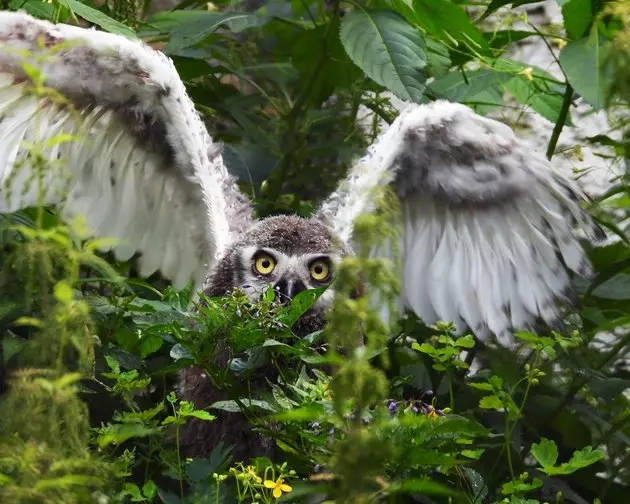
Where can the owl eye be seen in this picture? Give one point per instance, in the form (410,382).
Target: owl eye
(320,270)
(264,264)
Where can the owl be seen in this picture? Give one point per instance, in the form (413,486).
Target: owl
(490,233)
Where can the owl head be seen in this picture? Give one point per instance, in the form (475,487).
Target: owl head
(290,254)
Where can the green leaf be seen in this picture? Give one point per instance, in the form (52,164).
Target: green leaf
(198,469)
(578,16)
(546,453)
(424,348)
(501,38)
(618,287)
(37,8)
(469,86)
(119,433)
(195,28)
(532,94)
(491,402)
(304,414)
(482,386)
(467,341)
(233,406)
(149,490)
(421,486)
(99,19)
(447,21)
(438,58)
(200,414)
(131,490)
(583,458)
(149,344)
(497,4)
(388,49)
(323,76)
(63,292)
(518,486)
(581,61)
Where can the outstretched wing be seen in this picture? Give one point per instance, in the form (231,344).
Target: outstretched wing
(489,228)
(101,125)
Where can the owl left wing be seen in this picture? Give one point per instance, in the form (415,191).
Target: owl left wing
(101,125)
(489,229)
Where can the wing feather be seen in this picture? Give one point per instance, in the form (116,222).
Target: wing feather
(489,228)
(144,171)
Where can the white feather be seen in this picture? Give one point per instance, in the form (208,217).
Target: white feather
(484,219)
(164,207)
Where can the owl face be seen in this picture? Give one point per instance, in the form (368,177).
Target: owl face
(288,273)
(289,253)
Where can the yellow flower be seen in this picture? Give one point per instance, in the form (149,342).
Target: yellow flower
(433,414)
(251,472)
(278,486)
(560,42)
(527,72)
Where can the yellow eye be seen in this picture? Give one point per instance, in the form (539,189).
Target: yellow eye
(265,264)
(320,270)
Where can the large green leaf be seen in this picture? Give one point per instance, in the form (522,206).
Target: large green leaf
(577,16)
(35,8)
(497,4)
(99,19)
(470,86)
(581,62)
(448,22)
(388,49)
(322,61)
(618,287)
(528,92)
(190,28)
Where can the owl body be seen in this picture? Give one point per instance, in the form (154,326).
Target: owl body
(291,254)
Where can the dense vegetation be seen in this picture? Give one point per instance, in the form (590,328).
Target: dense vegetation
(90,352)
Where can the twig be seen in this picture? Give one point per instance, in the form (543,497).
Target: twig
(562,118)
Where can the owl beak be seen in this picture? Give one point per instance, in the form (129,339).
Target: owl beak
(287,288)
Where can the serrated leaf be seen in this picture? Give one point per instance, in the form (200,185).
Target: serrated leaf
(200,414)
(491,402)
(583,458)
(149,489)
(545,452)
(198,469)
(388,49)
(518,486)
(581,61)
(467,341)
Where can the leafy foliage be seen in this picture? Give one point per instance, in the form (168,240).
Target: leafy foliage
(369,411)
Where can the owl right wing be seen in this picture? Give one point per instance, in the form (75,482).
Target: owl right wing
(101,125)
(489,230)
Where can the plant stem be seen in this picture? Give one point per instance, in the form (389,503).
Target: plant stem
(508,436)
(179,457)
(562,118)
